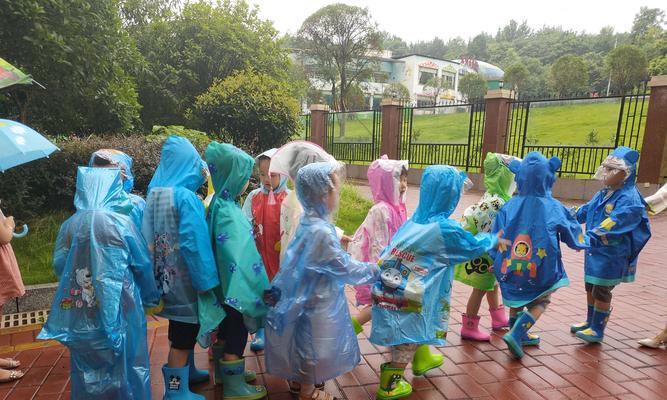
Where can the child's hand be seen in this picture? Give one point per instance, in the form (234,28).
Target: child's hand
(272,296)
(345,241)
(10,223)
(503,244)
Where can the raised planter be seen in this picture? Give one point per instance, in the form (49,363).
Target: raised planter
(37,297)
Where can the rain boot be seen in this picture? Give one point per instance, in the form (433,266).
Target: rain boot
(529,339)
(356,325)
(392,384)
(470,329)
(499,318)
(583,325)
(196,375)
(218,352)
(424,360)
(258,341)
(513,338)
(234,386)
(176,385)
(595,333)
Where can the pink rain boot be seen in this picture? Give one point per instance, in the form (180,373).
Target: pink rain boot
(470,330)
(499,318)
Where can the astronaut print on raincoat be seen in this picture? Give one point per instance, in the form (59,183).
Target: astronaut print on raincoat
(118,159)
(383,219)
(105,275)
(618,227)
(535,223)
(309,334)
(174,227)
(411,301)
(242,275)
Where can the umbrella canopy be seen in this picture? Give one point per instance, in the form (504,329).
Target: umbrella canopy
(20,144)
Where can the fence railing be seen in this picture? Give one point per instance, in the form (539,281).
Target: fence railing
(354,136)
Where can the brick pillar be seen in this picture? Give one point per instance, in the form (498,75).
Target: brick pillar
(495,126)
(319,116)
(654,148)
(391,128)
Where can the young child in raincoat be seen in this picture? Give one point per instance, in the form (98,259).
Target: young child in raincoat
(499,183)
(618,227)
(105,275)
(309,336)
(236,306)
(411,298)
(535,223)
(110,158)
(174,227)
(262,208)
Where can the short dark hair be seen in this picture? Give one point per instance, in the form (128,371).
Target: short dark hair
(101,162)
(262,158)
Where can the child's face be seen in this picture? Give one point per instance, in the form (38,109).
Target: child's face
(334,194)
(403,186)
(614,178)
(268,181)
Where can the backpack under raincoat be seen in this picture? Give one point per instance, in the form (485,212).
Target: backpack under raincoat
(411,300)
(105,274)
(309,334)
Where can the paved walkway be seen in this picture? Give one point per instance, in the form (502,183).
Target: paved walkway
(560,368)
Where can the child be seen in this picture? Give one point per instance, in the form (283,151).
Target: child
(110,158)
(309,335)
(618,227)
(499,182)
(105,275)
(411,299)
(235,306)
(262,207)
(174,226)
(532,268)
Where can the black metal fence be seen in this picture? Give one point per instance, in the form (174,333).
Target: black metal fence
(304,131)
(354,136)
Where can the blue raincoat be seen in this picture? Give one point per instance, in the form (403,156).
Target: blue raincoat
(121,160)
(174,227)
(618,228)
(105,275)
(535,223)
(309,334)
(411,301)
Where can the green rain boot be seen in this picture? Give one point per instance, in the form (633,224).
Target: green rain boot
(595,333)
(583,325)
(234,386)
(513,338)
(218,352)
(529,339)
(424,360)
(356,325)
(392,385)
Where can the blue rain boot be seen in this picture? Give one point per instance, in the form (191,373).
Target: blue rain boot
(196,375)
(529,339)
(258,341)
(583,325)
(513,338)
(176,385)
(595,333)
(218,353)
(234,386)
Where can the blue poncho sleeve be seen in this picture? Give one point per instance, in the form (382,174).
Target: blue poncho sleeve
(61,250)
(621,221)
(141,267)
(582,213)
(569,230)
(462,245)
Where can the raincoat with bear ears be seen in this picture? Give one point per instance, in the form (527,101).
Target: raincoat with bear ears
(174,227)
(618,228)
(535,223)
(411,300)
(383,219)
(105,275)
(242,275)
(309,334)
(123,161)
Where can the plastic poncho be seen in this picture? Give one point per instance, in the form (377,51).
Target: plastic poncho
(499,183)
(657,202)
(242,275)
(105,275)
(309,334)
(383,219)
(618,227)
(121,160)
(411,301)
(262,207)
(535,223)
(174,226)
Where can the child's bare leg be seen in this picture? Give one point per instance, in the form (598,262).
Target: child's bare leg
(402,354)
(514,311)
(183,337)
(492,298)
(474,302)
(178,358)
(364,315)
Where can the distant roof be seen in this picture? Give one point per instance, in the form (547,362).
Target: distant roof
(489,71)
(425,56)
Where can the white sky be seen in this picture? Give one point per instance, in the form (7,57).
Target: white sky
(415,20)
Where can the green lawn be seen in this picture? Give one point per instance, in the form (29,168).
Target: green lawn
(353,209)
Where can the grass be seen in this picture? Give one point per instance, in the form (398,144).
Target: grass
(353,209)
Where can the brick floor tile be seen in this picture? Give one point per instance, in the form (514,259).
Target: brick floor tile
(642,391)
(552,378)
(586,385)
(468,385)
(448,388)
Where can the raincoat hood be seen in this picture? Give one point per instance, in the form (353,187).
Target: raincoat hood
(439,193)
(283,179)
(118,159)
(384,177)
(293,156)
(535,174)
(101,189)
(313,182)
(630,158)
(230,169)
(498,179)
(180,165)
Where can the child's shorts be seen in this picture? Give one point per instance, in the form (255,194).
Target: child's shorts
(542,302)
(183,335)
(600,293)
(403,353)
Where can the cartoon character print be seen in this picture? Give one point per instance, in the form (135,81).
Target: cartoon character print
(174,382)
(480,265)
(81,293)
(400,287)
(163,261)
(520,257)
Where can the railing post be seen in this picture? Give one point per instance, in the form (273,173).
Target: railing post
(391,128)
(319,116)
(653,160)
(495,126)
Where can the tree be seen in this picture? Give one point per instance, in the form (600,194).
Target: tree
(513,31)
(455,48)
(472,86)
(433,48)
(658,66)
(627,66)
(644,21)
(478,47)
(516,76)
(343,37)
(437,84)
(569,75)
(396,91)
(394,43)
(253,110)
